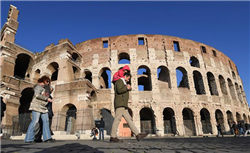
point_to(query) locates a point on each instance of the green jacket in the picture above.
(121, 94)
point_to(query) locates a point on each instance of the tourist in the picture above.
(101, 129)
(3, 108)
(94, 132)
(38, 129)
(235, 129)
(120, 73)
(39, 109)
(247, 129)
(121, 108)
(219, 130)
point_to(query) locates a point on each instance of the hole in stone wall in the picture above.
(105, 44)
(198, 82)
(88, 75)
(163, 76)
(203, 49)
(212, 84)
(144, 78)
(123, 58)
(176, 46)
(231, 88)
(223, 85)
(105, 78)
(141, 41)
(21, 65)
(194, 62)
(182, 78)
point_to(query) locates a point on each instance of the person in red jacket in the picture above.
(120, 73)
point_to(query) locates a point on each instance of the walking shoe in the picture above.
(140, 136)
(50, 140)
(38, 140)
(114, 139)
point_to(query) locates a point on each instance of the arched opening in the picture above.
(248, 119)
(124, 130)
(223, 85)
(238, 92)
(182, 78)
(219, 119)
(233, 75)
(75, 57)
(53, 68)
(21, 65)
(105, 78)
(108, 119)
(76, 72)
(230, 119)
(212, 84)
(70, 118)
(23, 110)
(245, 118)
(194, 62)
(163, 77)
(144, 78)
(243, 96)
(188, 121)
(231, 88)
(88, 75)
(238, 117)
(205, 121)
(198, 82)
(169, 121)
(123, 58)
(147, 121)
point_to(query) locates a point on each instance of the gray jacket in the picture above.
(39, 100)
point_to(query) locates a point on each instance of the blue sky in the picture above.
(222, 25)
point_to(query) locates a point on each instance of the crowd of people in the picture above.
(240, 129)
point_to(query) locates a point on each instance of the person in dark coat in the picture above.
(219, 130)
(101, 129)
(3, 108)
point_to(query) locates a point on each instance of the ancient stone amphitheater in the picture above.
(178, 84)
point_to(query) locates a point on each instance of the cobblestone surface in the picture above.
(152, 145)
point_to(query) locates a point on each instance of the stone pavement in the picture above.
(149, 145)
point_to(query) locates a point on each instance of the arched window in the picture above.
(231, 88)
(233, 75)
(37, 75)
(163, 77)
(147, 120)
(198, 82)
(76, 72)
(53, 68)
(238, 117)
(182, 78)
(144, 78)
(230, 118)
(238, 92)
(21, 65)
(223, 85)
(88, 75)
(123, 58)
(194, 62)
(105, 78)
(205, 121)
(188, 121)
(219, 118)
(212, 84)
(75, 57)
(169, 121)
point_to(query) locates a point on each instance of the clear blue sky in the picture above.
(223, 25)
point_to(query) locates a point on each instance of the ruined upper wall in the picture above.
(158, 42)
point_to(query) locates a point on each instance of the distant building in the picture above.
(185, 86)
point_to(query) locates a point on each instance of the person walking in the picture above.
(39, 109)
(101, 129)
(121, 108)
(219, 130)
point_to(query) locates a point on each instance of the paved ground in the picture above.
(152, 145)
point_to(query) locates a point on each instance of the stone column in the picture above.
(213, 122)
(197, 122)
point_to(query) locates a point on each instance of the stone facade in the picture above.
(177, 84)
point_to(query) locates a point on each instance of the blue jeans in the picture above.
(35, 119)
(101, 133)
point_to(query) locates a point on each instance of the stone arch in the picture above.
(169, 121)
(147, 120)
(144, 78)
(105, 78)
(188, 122)
(75, 57)
(223, 85)
(53, 69)
(238, 117)
(198, 83)
(194, 62)
(231, 88)
(88, 75)
(206, 121)
(37, 75)
(108, 119)
(219, 118)
(123, 58)
(70, 118)
(23, 110)
(21, 65)
(233, 75)
(245, 118)
(182, 78)
(230, 118)
(212, 84)
(163, 76)
(238, 91)
(76, 72)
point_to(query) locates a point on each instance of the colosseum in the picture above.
(177, 84)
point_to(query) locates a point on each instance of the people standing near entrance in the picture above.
(101, 129)
(235, 129)
(3, 108)
(39, 126)
(247, 129)
(219, 130)
(39, 109)
(121, 108)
